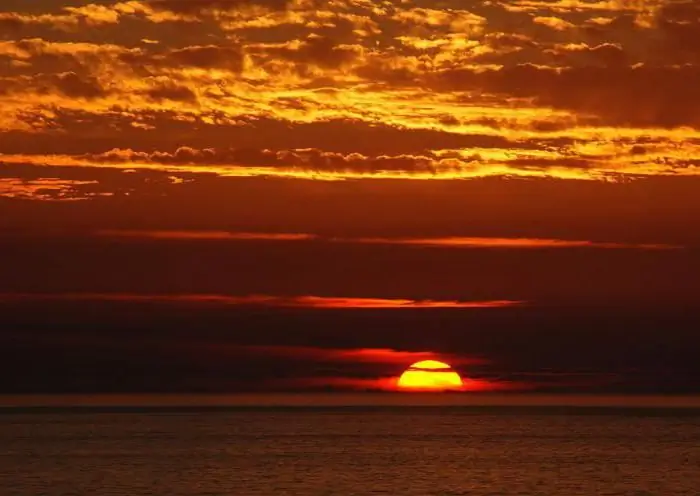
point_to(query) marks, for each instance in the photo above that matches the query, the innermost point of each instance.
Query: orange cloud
(621, 96)
(317, 50)
(212, 6)
(584, 160)
(458, 20)
(265, 300)
(553, 22)
(513, 243)
(609, 54)
(389, 384)
(355, 355)
(13, 21)
(583, 5)
(437, 242)
(208, 235)
(366, 65)
(47, 189)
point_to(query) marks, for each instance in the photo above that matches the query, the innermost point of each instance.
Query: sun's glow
(430, 375)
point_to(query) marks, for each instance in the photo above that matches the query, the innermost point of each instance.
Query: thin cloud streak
(438, 242)
(611, 161)
(356, 355)
(320, 302)
(389, 384)
(47, 189)
(213, 235)
(512, 243)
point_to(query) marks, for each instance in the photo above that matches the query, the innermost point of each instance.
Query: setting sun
(429, 375)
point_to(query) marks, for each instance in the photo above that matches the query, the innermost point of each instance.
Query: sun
(430, 375)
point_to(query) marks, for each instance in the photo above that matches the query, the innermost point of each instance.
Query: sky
(282, 195)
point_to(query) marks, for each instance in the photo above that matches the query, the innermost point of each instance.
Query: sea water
(403, 451)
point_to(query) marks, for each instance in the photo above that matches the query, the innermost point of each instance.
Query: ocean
(349, 450)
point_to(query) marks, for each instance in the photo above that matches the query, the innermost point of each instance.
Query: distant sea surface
(349, 450)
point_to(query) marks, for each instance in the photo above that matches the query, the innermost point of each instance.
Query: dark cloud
(679, 24)
(10, 21)
(74, 86)
(80, 131)
(194, 7)
(312, 160)
(203, 57)
(155, 347)
(500, 40)
(40, 57)
(48, 189)
(634, 96)
(492, 207)
(132, 266)
(320, 51)
(172, 91)
(606, 54)
(208, 57)
(13, 23)
(68, 84)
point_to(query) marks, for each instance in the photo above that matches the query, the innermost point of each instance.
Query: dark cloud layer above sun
(150, 347)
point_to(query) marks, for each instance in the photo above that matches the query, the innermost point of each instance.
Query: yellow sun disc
(430, 375)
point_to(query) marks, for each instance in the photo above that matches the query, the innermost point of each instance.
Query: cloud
(456, 20)
(48, 189)
(553, 22)
(70, 18)
(67, 84)
(317, 50)
(316, 163)
(74, 86)
(679, 25)
(36, 56)
(320, 302)
(208, 235)
(307, 162)
(385, 356)
(387, 384)
(171, 91)
(441, 242)
(512, 243)
(208, 57)
(567, 6)
(208, 7)
(14, 21)
(640, 95)
(606, 54)
(589, 159)
(95, 14)
(355, 91)
(80, 130)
